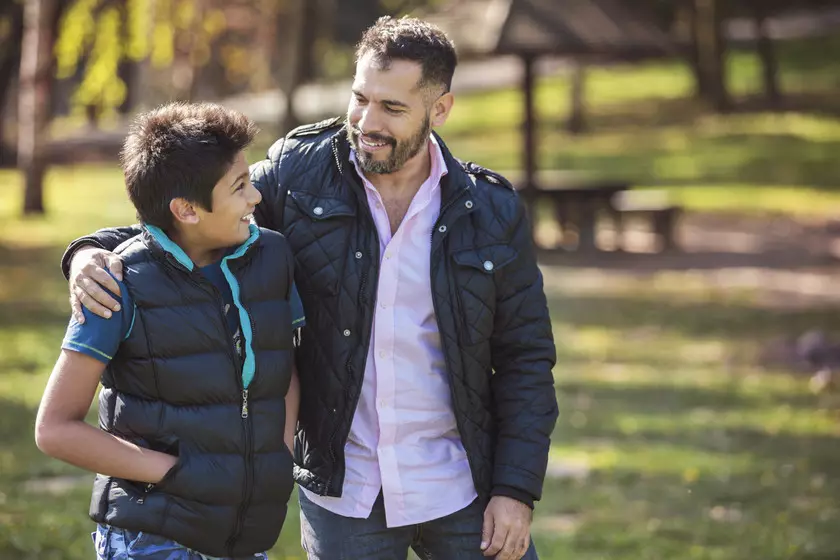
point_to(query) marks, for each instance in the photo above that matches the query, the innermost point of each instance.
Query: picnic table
(578, 200)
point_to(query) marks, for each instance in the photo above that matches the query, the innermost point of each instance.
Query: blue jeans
(113, 543)
(327, 536)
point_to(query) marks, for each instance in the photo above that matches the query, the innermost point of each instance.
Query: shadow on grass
(731, 320)
(627, 514)
(665, 399)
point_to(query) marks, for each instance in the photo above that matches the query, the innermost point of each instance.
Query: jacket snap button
(358, 254)
(468, 204)
(318, 210)
(346, 332)
(442, 229)
(488, 266)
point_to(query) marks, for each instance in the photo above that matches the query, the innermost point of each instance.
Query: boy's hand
(88, 276)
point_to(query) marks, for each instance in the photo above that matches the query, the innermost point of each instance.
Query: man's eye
(393, 111)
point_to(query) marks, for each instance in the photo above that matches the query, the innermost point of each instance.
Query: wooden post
(529, 124)
(34, 99)
(766, 52)
(576, 122)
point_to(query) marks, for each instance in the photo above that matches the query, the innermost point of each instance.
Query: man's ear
(183, 211)
(441, 108)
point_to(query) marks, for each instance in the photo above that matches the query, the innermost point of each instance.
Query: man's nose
(367, 122)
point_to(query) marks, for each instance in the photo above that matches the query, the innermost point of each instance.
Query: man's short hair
(180, 150)
(411, 39)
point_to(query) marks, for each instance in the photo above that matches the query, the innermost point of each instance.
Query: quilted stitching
(494, 325)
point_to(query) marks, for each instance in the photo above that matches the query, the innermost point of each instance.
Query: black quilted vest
(176, 385)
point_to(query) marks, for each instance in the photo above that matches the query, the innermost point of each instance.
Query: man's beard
(401, 151)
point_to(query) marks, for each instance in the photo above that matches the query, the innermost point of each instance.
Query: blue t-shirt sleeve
(100, 338)
(298, 317)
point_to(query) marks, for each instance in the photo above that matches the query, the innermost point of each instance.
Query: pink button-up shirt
(403, 439)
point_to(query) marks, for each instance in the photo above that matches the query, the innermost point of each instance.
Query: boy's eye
(240, 186)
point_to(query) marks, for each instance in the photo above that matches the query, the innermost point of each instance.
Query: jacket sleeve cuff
(68, 255)
(515, 493)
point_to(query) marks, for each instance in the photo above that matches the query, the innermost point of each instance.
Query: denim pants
(113, 543)
(327, 536)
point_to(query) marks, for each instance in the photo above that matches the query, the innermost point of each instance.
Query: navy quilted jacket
(488, 297)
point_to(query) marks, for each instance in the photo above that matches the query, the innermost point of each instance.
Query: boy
(199, 393)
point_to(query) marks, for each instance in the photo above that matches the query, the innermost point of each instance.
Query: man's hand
(88, 277)
(506, 534)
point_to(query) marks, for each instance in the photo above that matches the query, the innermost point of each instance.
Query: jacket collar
(452, 184)
(162, 246)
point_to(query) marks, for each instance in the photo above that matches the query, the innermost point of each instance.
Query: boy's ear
(183, 210)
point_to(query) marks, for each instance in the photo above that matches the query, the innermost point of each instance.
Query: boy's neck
(199, 255)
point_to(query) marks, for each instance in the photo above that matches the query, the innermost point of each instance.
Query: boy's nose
(255, 195)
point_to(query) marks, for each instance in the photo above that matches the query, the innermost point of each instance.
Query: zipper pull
(244, 403)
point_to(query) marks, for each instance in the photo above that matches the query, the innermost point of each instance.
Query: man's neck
(408, 179)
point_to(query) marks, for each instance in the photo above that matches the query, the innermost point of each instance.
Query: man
(427, 398)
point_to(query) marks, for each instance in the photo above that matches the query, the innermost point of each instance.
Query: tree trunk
(767, 54)
(34, 98)
(294, 29)
(711, 47)
(577, 122)
(9, 68)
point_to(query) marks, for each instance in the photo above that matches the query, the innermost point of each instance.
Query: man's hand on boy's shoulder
(89, 280)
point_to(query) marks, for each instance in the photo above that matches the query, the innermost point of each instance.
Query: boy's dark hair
(180, 150)
(412, 39)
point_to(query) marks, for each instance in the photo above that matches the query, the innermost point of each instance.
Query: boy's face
(234, 201)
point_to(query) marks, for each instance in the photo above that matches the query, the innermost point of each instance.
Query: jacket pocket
(476, 273)
(318, 238)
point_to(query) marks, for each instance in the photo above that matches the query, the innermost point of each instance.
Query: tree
(11, 37)
(710, 41)
(35, 83)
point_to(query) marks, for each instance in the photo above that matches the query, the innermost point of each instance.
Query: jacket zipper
(459, 423)
(362, 285)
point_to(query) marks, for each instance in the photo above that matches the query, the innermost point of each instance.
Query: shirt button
(358, 254)
(382, 354)
(346, 332)
(387, 256)
(317, 210)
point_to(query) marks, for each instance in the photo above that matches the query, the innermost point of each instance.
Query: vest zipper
(248, 426)
(244, 413)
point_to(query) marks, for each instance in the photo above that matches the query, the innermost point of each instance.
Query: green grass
(693, 451)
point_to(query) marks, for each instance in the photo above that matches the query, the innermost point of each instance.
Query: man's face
(389, 115)
(234, 201)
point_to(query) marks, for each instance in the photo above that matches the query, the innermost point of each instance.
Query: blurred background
(679, 159)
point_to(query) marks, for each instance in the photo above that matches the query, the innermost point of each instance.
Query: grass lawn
(670, 443)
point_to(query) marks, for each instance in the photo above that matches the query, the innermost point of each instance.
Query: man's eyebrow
(243, 175)
(393, 102)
